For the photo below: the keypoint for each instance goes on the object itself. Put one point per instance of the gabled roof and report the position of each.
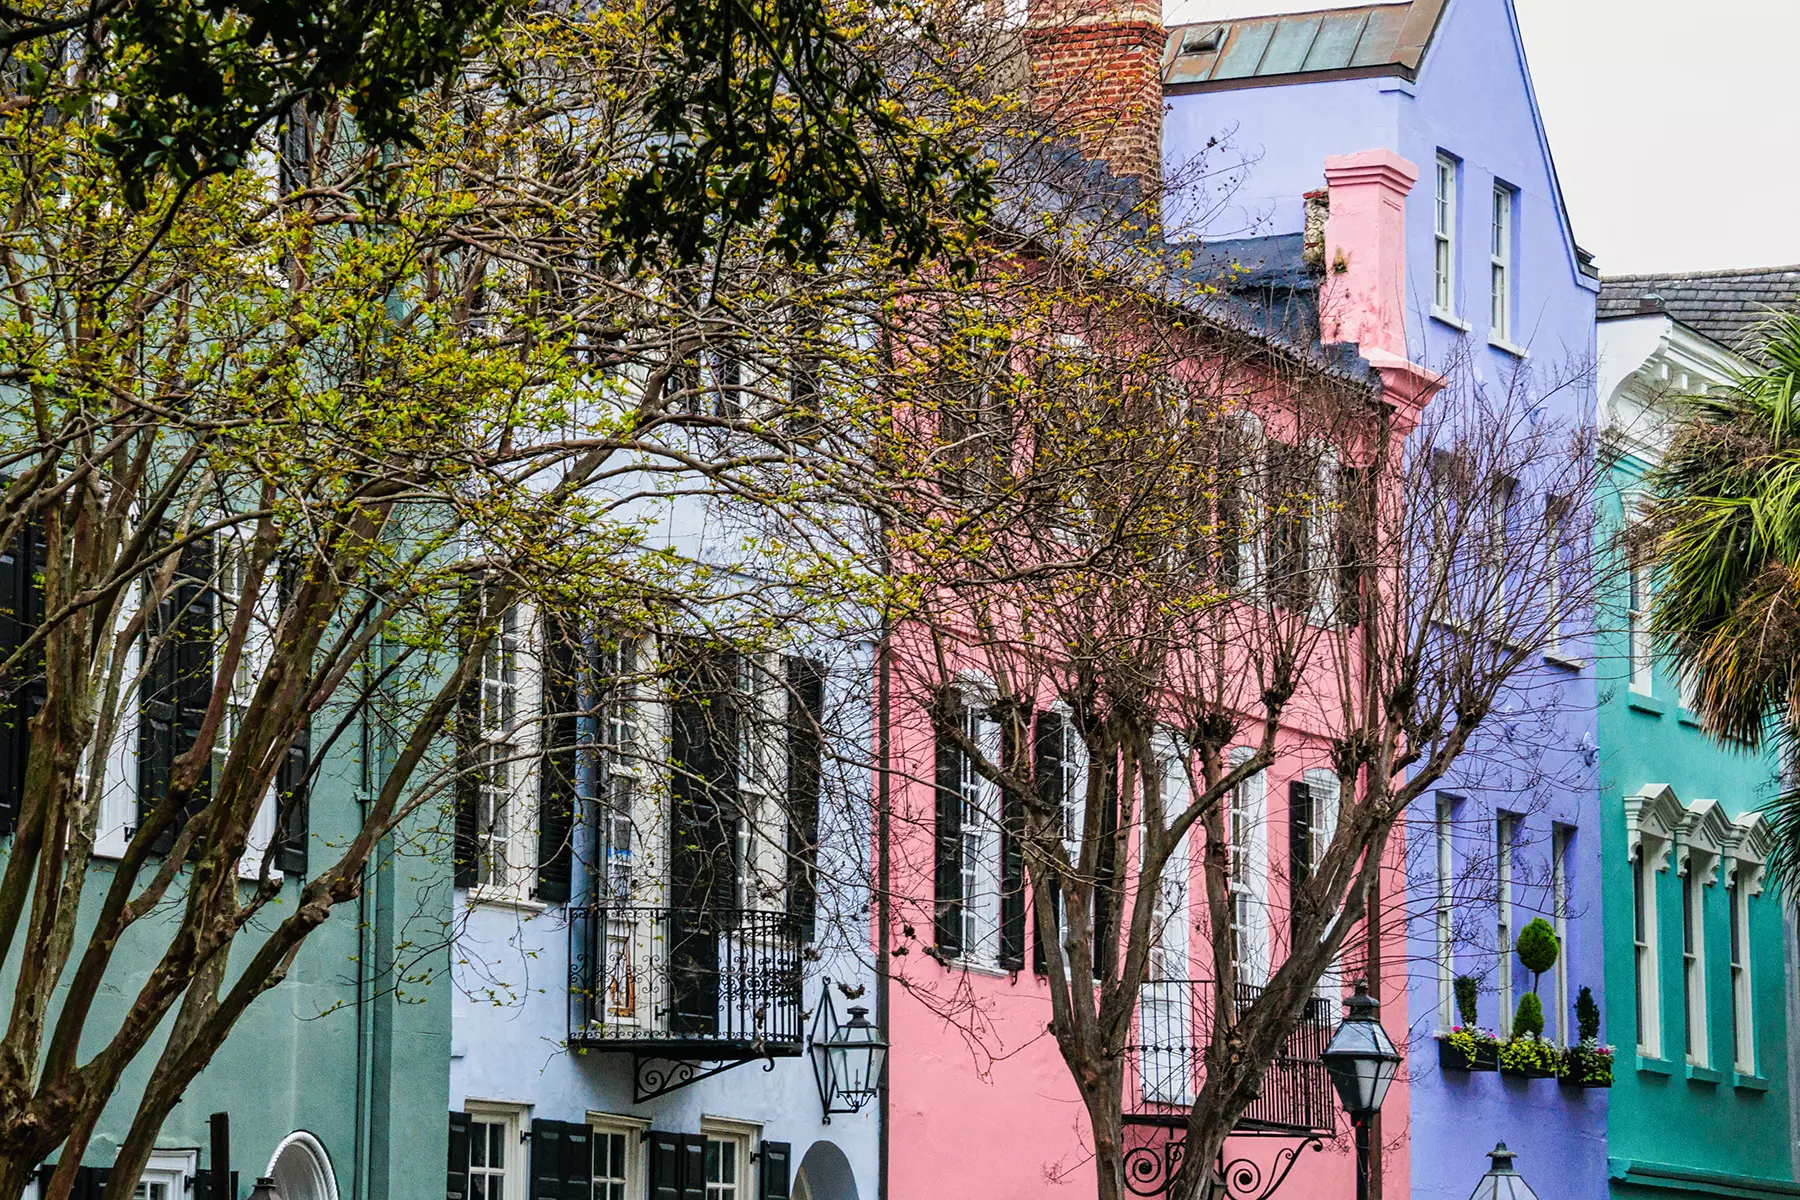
(1331, 43)
(1726, 306)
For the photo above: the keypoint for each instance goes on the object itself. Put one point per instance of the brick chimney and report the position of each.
(1096, 69)
(1363, 299)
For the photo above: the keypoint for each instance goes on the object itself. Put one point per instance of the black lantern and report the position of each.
(847, 1058)
(1361, 1058)
(1362, 1062)
(1502, 1182)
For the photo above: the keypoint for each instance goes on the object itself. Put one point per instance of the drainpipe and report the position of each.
(364, 985)
(883, 796)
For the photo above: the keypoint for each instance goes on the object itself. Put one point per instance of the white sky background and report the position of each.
(1676, 126)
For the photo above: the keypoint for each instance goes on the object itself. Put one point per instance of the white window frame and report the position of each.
(1693, 967)
(1639, 654)
(1559, 919)
(1073, 796)
(233, 547)
(980, 849)
(609, 1125)
(174, 1169)
(506, 857)
(1500, 256)
(1443, 296)
(1444, 913)
(1505, 830)
(1249, 870)
(1325, 797)
(511, 1119)
(1644, 939)
(743, 1136)
(1166, 1002)
(1743, 998)
(761, 859)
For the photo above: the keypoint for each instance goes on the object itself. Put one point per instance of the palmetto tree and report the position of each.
(1723, 531)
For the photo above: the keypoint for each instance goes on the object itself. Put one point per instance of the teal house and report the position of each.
(1697, 948)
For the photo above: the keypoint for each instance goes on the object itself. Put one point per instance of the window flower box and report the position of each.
(1586, 1066)
(1468, 1050)
(1530, 1057)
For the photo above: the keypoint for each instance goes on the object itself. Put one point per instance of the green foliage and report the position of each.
(1467, 990)
(1537, 947)
(1587, 1015)
(1589, 1066)
(1528, 1019)
(1529, 1052)
(1470, 1040)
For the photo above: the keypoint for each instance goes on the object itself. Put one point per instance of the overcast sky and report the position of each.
(1676, 125)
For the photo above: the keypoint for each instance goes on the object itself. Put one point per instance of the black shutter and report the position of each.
(1047, 770)
(805, 712)
(693, 1166)
(777, 1161)
(90, 1183)
(457, 1184)
(1300, 850)
(206, 1187)
(665, 1152)
(22, 693)
(178, 685)
(467, 795)
(1105, 872)
(556, 773)
(1012, 864)
(562, 1160)
(703, 870)
(293, 789)
(948, 873)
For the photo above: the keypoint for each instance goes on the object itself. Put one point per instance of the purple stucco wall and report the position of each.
(1472, 100)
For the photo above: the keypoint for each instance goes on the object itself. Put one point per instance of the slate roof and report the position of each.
(1725, 306)
(1336, 43)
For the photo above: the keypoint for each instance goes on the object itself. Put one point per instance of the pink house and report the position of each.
(979, 1102)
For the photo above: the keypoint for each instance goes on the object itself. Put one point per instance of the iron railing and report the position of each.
(685, 983)
(1168, 1062)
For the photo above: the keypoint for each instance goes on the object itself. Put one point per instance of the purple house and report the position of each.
(1498, 295)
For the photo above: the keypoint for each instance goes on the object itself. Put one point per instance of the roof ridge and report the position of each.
(1299, 12)
(1727, 273)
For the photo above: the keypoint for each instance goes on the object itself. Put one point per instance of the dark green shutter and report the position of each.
(776, 1170)
(293, 787)
(693, 1166)
(1012, 863)
(948, 872)
(556, 772)
(178, 685)
(1047, 771)
(805, 712)
(562, 1160)
(1106, 940)
(456, 1186)
(664, 1152)
(703, 868)
(1300, 850)
(22, 692)
(467, 792)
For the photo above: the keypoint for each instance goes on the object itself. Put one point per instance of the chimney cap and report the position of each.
(1651, 302)
(1203, 39)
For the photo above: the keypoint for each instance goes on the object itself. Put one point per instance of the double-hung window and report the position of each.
(1559, 917)
(494, 1168)
(234, 551)
(1166, 1009)
(499, 819)
(1637, 626)
(1444, 913)
(1323, 796)
(1743, 1011)
(976, 913)
(1443, 297)
(1249, 853)
(1500, 247)
(1505, 829)
(1693, 967)
(1649, 991)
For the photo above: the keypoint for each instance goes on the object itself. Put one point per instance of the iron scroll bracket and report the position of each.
(653, 1076)
(1149, 1170)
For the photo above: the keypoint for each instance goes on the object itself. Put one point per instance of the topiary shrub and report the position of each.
(1467, 989)
(1537, 948)
(1529, 1019)
(1587, 1016)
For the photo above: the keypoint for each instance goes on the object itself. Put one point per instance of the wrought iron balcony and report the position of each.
(707, 984)
(1168, 1063)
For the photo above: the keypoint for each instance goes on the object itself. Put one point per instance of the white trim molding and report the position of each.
(1746, 845)
(1700, 839)
(1652, 817)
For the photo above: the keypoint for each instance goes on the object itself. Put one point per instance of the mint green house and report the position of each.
(1697, 971)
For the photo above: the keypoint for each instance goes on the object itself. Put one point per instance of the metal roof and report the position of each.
(1367, 39)
(1726, 306)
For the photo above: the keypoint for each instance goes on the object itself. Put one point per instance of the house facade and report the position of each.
(1500, 300)
(1698, 952)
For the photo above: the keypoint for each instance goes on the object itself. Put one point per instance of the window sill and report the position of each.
(1506, 347)
(1699, 1074)
(1567, 662)
(1654, 1066)
(991, 970)
(1749, 1083)
(490, 898)
(1645, 704)
(1690, 719)
(1451, 319)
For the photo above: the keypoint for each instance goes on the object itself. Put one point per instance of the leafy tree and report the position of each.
(1528, 1018)
(1467, 989)
(1537, 948)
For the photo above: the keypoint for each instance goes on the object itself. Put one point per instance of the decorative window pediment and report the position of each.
(1746, 848)
(1652, 817)
(1699, 841)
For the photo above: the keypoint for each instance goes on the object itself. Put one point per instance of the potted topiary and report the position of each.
(1587, 1064)
(1527, 1054)
(1467, 1047)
